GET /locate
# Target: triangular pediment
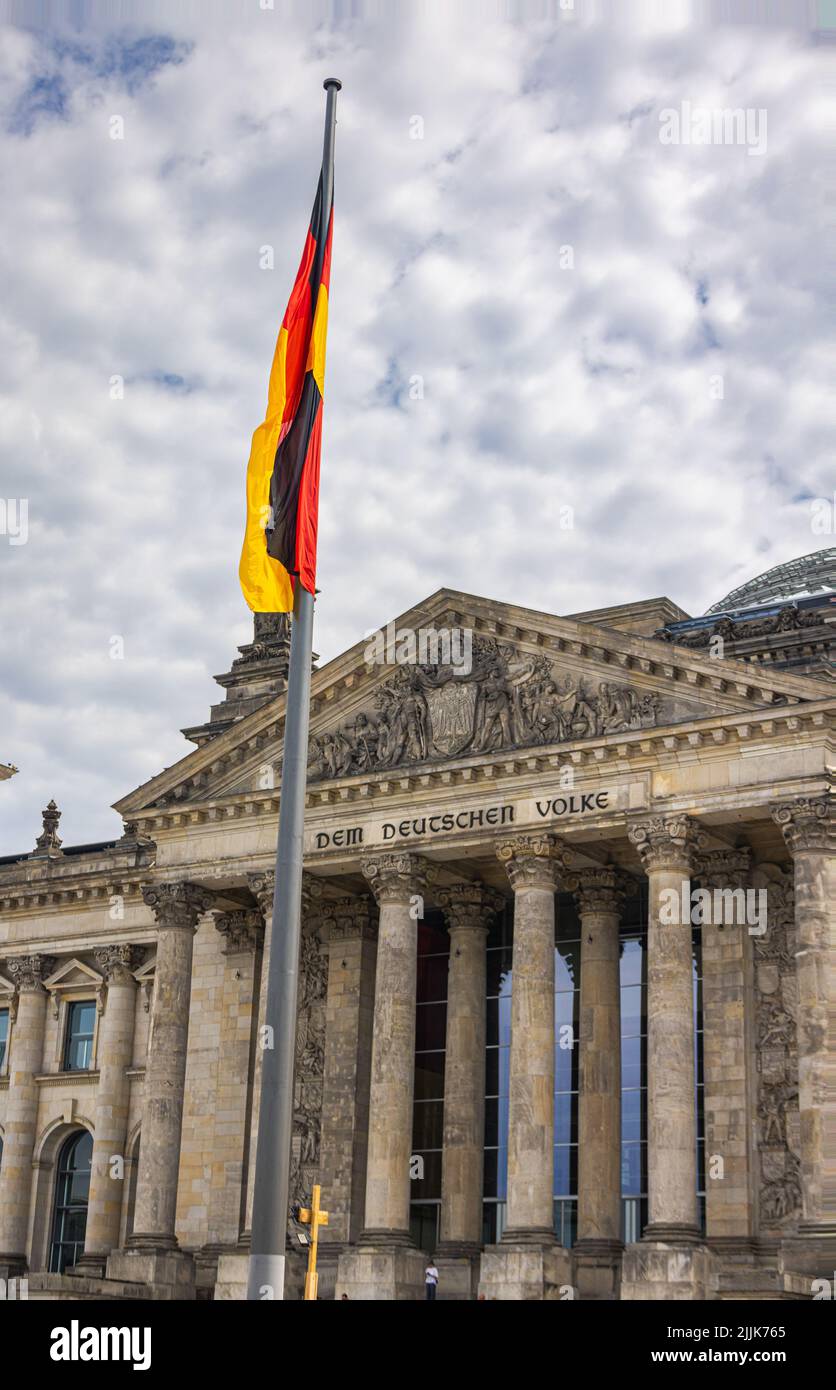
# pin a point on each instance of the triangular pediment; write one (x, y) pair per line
(74, 974)
(529, 680)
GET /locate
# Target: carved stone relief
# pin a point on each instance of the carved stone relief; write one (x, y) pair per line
(777, 1055)
(508, 699)
(310, 1060)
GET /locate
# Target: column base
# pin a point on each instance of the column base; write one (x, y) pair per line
(12, 1266)
(673, 1232)
(668, 1270)
(90, 1266)
(389, 1272)
(170, 1272)
(525, 1272)
(810, 1250)
(528, 1235)
(458, 1265)
(385, 1236)
(598, 1268)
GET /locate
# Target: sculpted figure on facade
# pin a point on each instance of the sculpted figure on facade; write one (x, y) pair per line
(506, 699)
(777, 1054)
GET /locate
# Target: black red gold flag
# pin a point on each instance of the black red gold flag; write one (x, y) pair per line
(283, 472)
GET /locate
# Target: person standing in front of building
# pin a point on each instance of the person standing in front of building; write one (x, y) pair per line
(431, 1281)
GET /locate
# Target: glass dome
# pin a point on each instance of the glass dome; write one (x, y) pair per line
(809, 574)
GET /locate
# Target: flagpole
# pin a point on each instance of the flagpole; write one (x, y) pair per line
(275, 1117)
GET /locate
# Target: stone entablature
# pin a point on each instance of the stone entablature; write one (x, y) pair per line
(606, 655)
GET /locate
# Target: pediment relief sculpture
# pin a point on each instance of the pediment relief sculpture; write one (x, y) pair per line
(507, 699)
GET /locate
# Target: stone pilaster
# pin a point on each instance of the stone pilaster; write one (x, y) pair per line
(727, 1011)
(242, 932)
(468, 908)
(262, 886)
(177, 908)
(25, 1062)
(532, 864)
(599, 894)
(110, 1124)
(349, 1013)
(807, 825)
(666, 847)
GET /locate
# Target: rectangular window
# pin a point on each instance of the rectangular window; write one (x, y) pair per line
(81, 1025)
(4, 1036)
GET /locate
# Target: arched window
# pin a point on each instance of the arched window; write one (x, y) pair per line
(72, 1189)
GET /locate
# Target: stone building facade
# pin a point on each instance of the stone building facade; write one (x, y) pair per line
(566, 1009)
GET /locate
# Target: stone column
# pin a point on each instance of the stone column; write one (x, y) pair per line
(397, 881)
(349, 1012)
(729, 1091)
(532, 864)
(666, 847)
(528, 1264)
(242, 933)
(25, 1063)
(468, 908)
(385, 1265)
(807, 826)
(110, 1124)
(177, 908)
(599, 894)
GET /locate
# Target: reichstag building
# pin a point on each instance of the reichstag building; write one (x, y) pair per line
(566, 1011)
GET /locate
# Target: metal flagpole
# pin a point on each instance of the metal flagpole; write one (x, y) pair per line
(275, 1116)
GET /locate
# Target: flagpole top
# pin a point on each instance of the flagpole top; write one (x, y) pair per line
(332, 82)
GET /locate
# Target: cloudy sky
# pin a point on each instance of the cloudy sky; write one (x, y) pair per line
(537, 304)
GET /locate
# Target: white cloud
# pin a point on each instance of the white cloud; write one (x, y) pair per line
(542, 386)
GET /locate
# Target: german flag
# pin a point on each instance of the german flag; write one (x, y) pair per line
(283, 471)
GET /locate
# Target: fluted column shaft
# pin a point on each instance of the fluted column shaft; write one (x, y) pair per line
(532, 864)
(177, 907)
(397, 881)
(468, 909)
(25, 1062)
(808, 829)
(599, 895)
(115, 1050)
(666, 847)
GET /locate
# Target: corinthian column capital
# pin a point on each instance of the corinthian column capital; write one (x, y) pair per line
(667, 842)
(599, 889)
(724, 868)
(395, 878)
(177, 904)
(532, 861)
(116, 963)
(263, 886)
(807, 823)
(28, 972)
(242, 930)
(347, 918)
(470, 906)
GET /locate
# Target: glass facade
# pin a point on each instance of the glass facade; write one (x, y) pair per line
(431, 1018)
(72, 1190)
(81, 1027)
(428, 1108)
